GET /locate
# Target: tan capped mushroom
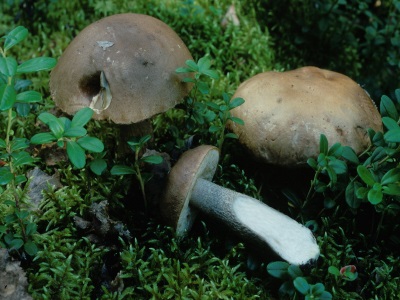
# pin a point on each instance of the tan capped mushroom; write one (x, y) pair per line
(189, 189)
(286, 112)
(123, 67)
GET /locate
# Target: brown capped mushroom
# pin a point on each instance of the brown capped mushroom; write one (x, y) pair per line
(286, 112)
(189, 189)
(122, 66)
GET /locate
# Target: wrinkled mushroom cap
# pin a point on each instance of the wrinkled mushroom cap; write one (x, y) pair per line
(200, 162)
(286, 112)
(133, 57)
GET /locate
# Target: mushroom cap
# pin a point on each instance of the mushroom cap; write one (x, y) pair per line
(200, 162)
(137, 55)
(286, 112)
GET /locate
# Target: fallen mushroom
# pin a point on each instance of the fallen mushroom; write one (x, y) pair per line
(123, 67)
(286, 112)
(189, 189)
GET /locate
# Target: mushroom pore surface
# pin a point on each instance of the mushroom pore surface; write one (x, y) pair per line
(135, 56)
(286, 112)
(200, 162)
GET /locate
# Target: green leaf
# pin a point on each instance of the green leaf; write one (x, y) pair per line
(236, 102)
(20, 179)
(278, 269)
(2, 143)
(43, 138)
(30, 228)
(8, 66)
(365, 175)
(192, 65)
(29, 97)
(46, 118)
(301, 284)
(349, 154)
(82, 117)
(30, 248)
(21, 158)
(325, 296)
(294, 271)
(392, 189)
(231, 135)
(335, 150)
(323, 144)
(392, 136)
(5, 175)
(317, 289)
(185, 70)
(312, 163)
(19, 144)
(75, 132)
(391, 176)
(36, 64)
(98, 166)
(152, 159)
(204, 64)
(375, 196)
(57, 128)
(389, 123)
(333, 270)
(144, 139)
(15, 244)
(76, 154)
(338, 166)
(91, 144)
(7, 97)
(387, 108)
(211, 73)
(15, 36)
(214, 129)
(237, 120)
(122, 170)
(351, 194)
(22, 109)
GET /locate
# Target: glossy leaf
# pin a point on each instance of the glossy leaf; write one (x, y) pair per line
(391, 176)
(15, 36)
(278, 269)
(365, 175)
(349, 154)
(36, 64)
(122, 170)
(30, 248)
(21, 158)
(152, 159)
(5, 175)
(323, 144)
(237, 120)
(29, 97)
(91, 144)
(19, 144)
(46, 117)
(8, 66)
(82, 117)
(301, 285)
(387, 108)
(351, 194)
(375, 196)
(389, 123)
(57, 128)
(231, 135)
(7, 96)
(392, 189)
(236, 102)
(98, 166)
(43, 138)
(76, 154)
(392, 136)
(75, 132)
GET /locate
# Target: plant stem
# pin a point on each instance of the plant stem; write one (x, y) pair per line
(139, 177)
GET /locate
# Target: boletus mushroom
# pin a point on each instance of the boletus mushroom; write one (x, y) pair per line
(189, 189)
(286, 112)
(123, 67)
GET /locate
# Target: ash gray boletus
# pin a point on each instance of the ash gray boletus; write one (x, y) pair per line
(286, 112)
(189, 189)
(123, 67)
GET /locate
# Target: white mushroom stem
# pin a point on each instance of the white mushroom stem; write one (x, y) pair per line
(256, 221)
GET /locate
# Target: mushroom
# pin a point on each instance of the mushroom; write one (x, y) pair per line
(189, 189)
(123, 67)
(286, 112)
